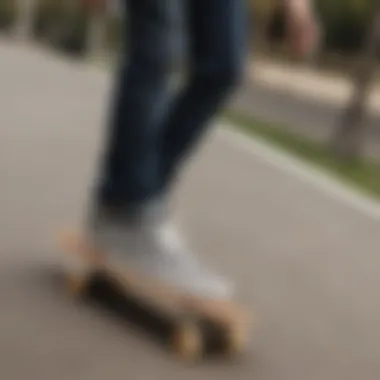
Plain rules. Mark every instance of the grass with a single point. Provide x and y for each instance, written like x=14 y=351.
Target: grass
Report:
x=362 y=174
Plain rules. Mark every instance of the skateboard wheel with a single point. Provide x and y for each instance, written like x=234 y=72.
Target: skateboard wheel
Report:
x=188 y=341
x=235 y=341
x=76 y=285
x=224 y=338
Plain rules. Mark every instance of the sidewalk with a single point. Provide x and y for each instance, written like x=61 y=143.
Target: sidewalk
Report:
x=303 y=82
x=305 y=258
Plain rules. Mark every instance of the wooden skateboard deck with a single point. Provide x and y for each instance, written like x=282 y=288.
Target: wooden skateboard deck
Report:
x=193 y=326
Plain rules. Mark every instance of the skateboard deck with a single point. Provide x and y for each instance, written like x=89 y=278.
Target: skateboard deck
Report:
x=193 y=326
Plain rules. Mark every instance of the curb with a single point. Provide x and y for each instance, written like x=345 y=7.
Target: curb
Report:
x=304 y=82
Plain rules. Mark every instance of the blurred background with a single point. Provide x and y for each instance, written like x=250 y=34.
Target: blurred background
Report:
x=343 y=68
x=303 y=244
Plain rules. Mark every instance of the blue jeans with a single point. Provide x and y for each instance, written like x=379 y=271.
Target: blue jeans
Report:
x=154 y=128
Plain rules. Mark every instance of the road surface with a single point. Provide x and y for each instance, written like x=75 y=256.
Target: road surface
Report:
x=307 y=264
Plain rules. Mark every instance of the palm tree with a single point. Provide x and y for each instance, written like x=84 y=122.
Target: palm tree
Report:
x=349 y=134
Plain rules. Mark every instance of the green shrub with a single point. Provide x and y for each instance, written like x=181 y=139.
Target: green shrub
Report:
x=47 y=15
x=114 y=34
x=7 y=14
x=66 y=30
x=345 y=23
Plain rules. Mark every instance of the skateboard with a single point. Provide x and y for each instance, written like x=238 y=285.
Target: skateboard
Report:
x=190 y=326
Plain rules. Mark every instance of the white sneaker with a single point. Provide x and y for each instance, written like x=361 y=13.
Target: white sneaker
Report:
x=158 y=250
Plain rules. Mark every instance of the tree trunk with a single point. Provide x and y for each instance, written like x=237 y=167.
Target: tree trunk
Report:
x=97 y=28
x=261 y=15
x=348 y=137
x=96 y=34
x=25 y=18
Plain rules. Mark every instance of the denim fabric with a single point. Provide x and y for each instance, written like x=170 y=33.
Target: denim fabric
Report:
x=153 y=128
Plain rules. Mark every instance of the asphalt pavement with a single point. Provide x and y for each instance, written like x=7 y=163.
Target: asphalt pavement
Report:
x=305 y=263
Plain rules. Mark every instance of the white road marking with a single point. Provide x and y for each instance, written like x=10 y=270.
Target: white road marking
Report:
x=304 y=172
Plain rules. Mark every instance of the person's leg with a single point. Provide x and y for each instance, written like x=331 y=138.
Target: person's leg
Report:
x=217 y=46
x=150 y=245
x=129 y=174
x=217 y=42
